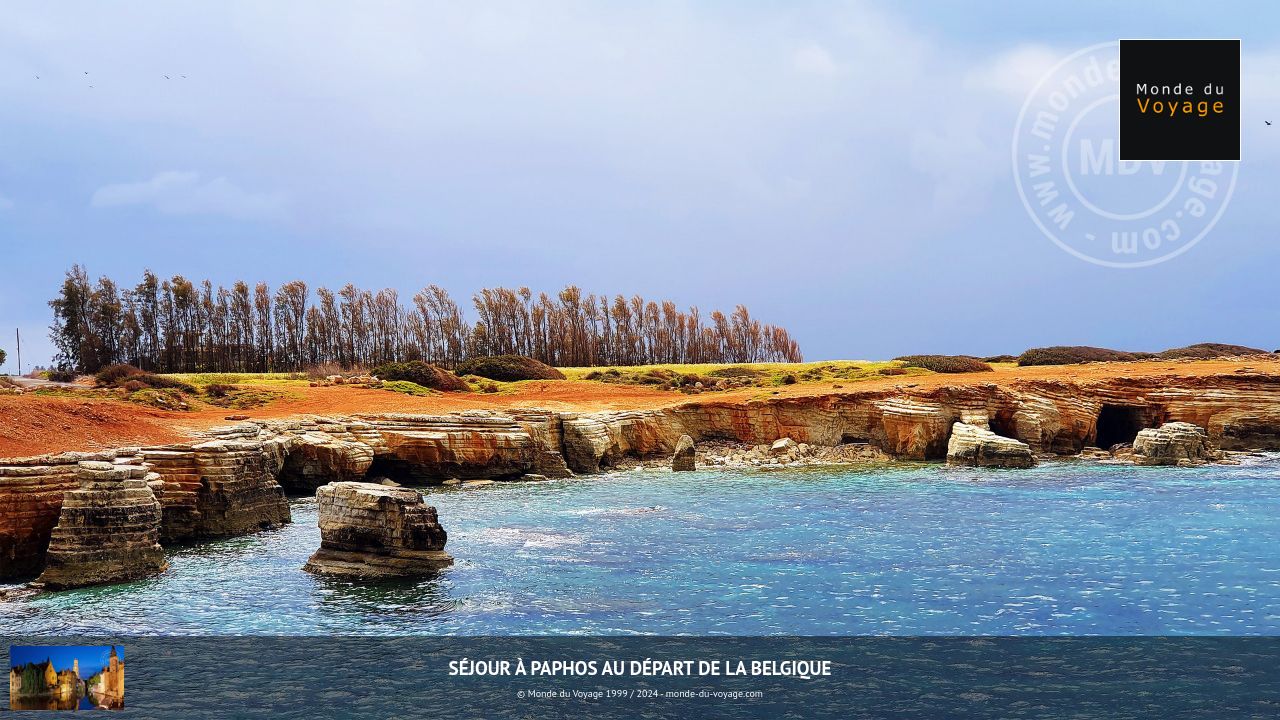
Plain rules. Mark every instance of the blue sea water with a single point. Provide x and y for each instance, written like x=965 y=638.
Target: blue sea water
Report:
x=1067 y=548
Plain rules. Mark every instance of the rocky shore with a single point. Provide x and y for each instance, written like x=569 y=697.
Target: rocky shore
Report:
x=234 y=479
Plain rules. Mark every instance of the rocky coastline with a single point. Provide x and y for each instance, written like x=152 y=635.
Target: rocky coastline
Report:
x=234 y=480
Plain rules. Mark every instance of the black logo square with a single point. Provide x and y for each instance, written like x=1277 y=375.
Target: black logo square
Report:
x=1179 y=99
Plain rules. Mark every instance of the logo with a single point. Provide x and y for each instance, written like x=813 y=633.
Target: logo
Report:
x=1180 y=99
x=1083 y=197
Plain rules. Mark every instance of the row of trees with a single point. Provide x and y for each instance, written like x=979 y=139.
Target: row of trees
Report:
x=177 y=325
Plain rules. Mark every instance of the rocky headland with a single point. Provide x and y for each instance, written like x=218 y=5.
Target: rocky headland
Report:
x=234 y=479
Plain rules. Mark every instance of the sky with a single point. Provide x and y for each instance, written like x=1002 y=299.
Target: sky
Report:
x=92 y=657
x=841 y=168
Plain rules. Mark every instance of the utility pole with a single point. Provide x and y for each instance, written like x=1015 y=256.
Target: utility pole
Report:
x=18 y=334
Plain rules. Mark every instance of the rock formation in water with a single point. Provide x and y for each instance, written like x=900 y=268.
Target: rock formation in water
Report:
x=683 y=459
x=373 y=531
x=979 y=447
x=1175 y=443
x=108 y=530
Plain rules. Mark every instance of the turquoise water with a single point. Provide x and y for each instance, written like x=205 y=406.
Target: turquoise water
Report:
x=1065 y=548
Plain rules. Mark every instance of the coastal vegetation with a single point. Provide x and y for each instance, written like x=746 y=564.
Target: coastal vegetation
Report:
x=509 y=368
x=712 y=376
x=422 y=374
x=179 y=325
x=1074 y=354
x=945 y=363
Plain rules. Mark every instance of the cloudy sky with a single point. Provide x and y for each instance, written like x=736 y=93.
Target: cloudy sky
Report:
x=841 y=168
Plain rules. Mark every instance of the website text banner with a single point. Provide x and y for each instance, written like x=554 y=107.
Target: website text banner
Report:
x=630 y=677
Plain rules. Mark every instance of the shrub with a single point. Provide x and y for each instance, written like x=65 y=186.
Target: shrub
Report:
x=490 y=388
x=121 y=375
x=61 y=375
x=1000 y=359
x=788 y=379
x=692 y=379
x=737 y=371
x=508 y=368
x=893 y=371
x=657 y=376
x=162 y=382
x=1073 y=354
x=218 y=390
x=115 y=375
x=420 y=373
x=1210 y=350
x=945 y=363
x=163 y=399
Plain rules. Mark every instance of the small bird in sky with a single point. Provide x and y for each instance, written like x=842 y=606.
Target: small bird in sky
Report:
x=1267 y=122
x=166 y=77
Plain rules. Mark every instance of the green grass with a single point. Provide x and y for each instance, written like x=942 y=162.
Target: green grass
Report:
x=256 y=387
x=408 y=388
x=279 y=380
x=761 y=374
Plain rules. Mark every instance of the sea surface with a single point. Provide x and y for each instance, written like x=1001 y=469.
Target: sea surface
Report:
x=1067 y=548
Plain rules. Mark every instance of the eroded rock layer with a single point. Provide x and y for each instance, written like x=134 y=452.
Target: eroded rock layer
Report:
x=371 y=531
x=685 y=457
x=233 y=480
x=108 y=529
x=220 y=488
x=1175 y=443
x=431 y=448
x=31 y=493
x=979 y=447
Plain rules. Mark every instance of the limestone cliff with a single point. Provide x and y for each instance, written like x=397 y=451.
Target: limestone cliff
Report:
x=431 y=448
x=31 y=493
x=220 y=488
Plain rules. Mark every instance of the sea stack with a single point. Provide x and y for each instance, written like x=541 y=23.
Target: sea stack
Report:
x=370 y=531
x=108 y=530
x=1174 y=443
x=683 y=459
x=979 y=447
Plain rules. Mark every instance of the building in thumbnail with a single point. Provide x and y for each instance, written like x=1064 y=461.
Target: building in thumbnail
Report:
x=110 y=685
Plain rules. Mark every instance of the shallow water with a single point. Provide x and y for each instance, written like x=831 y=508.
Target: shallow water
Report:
x=1065 y=548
